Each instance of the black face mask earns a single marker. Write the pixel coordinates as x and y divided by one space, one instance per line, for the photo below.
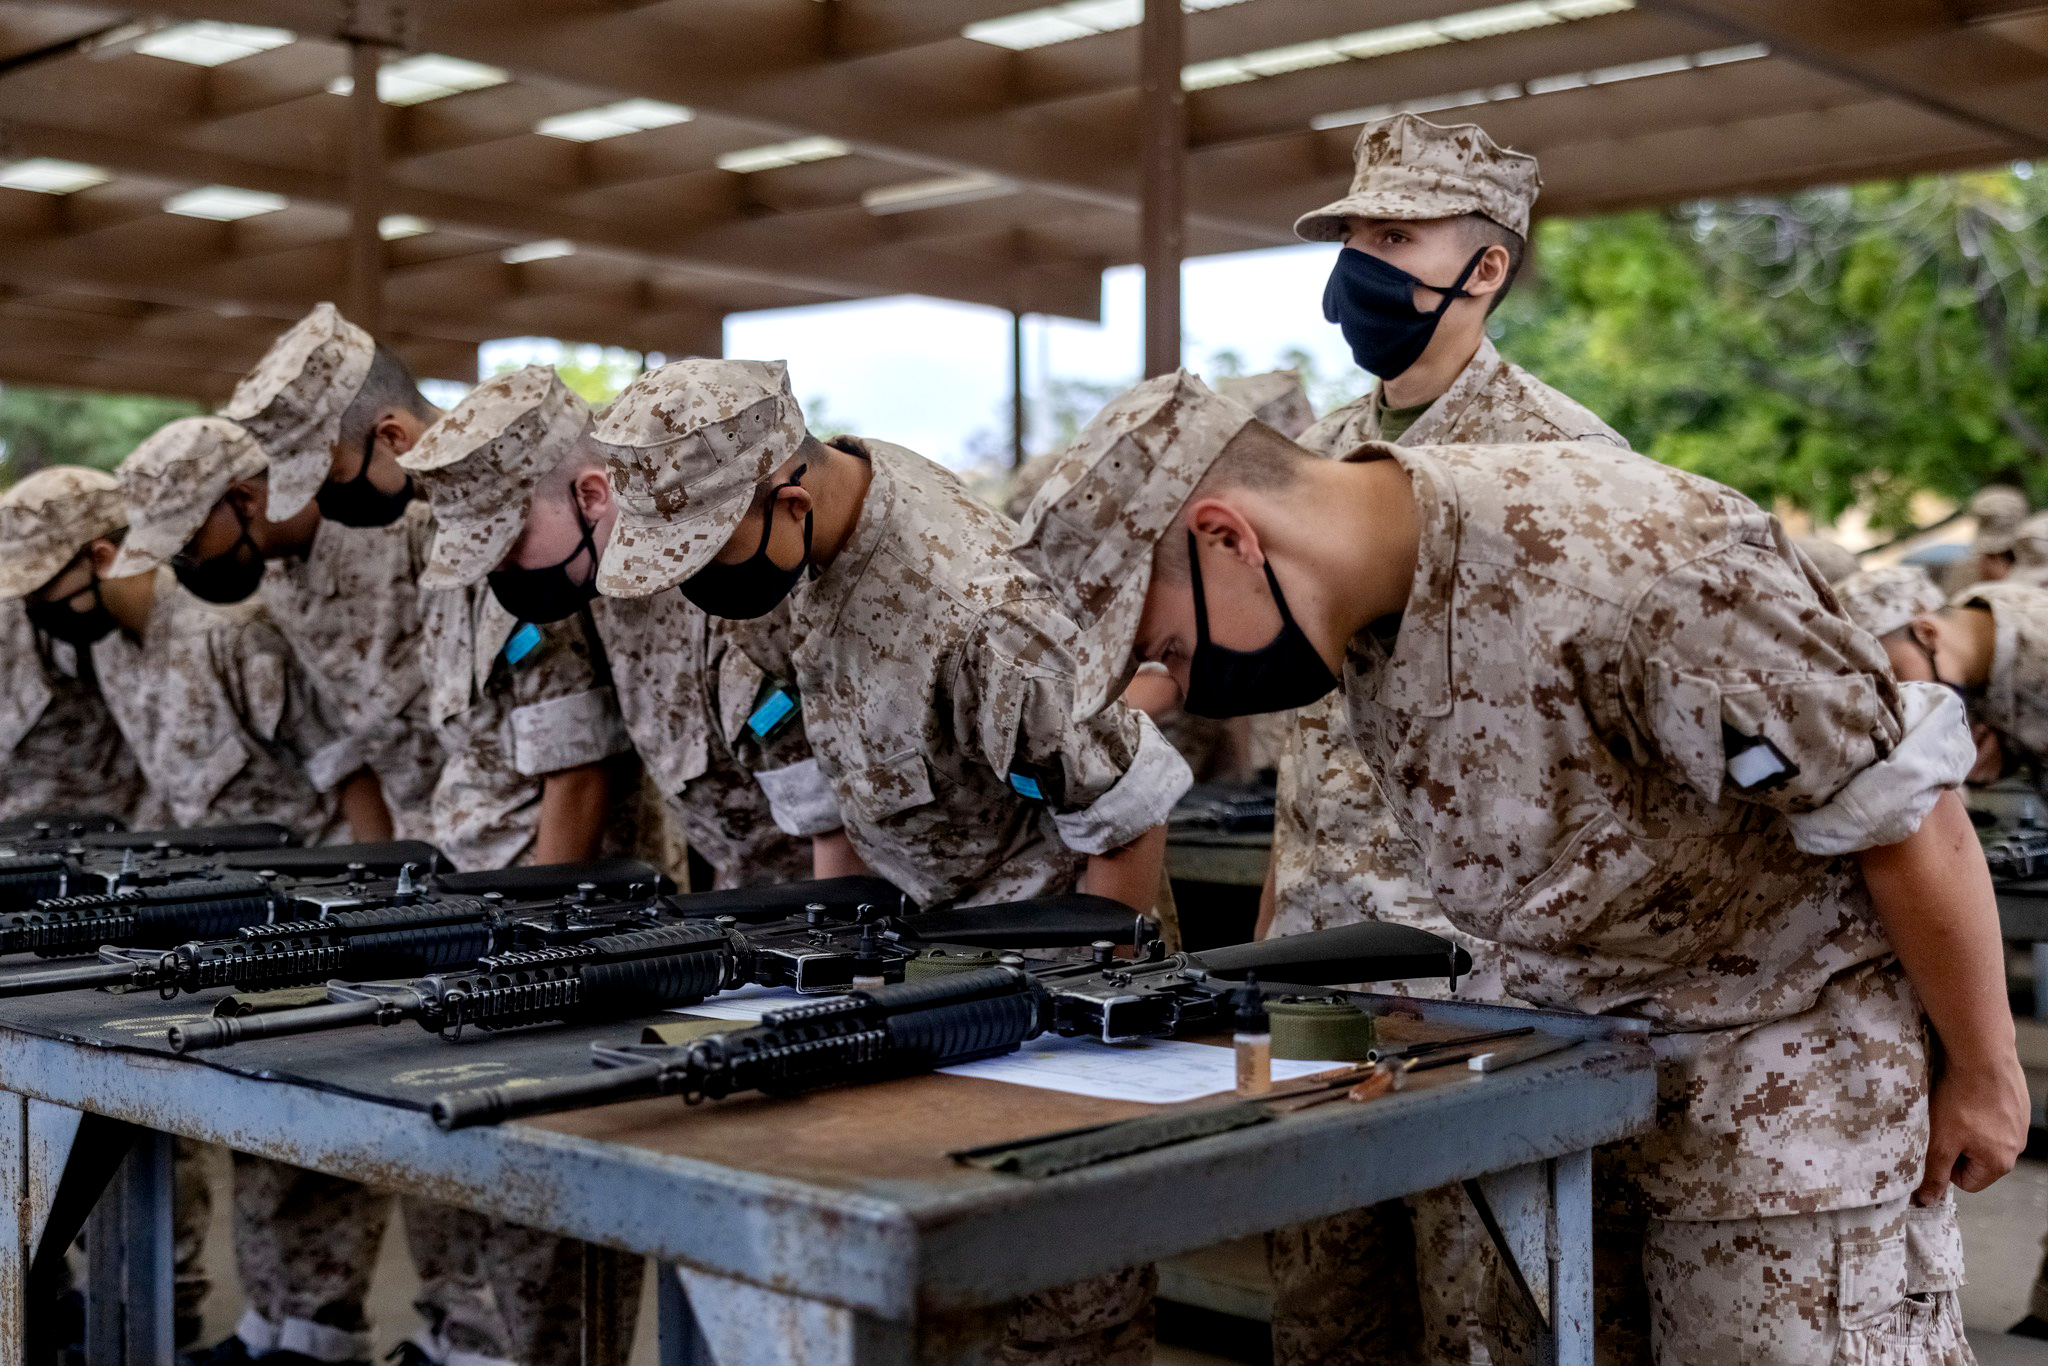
360 502
1373 304
756 585
228 577
57 621
551 592
1284 672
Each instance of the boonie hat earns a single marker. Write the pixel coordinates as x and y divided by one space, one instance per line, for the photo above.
1275 398
1108 499
47 518
173 480
1409 168
1883 600
685 447
292 402
478 465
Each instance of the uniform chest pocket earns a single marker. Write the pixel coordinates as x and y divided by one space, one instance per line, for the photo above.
1602 891
890 787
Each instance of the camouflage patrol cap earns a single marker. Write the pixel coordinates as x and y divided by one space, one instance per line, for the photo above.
1106 503
1999 510
171 483
685 447
1407 167
1835 562
1275 398
47 518
1883 600
479 463
293 400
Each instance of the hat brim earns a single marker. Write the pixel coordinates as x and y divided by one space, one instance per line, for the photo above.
19 578
153 546
294 480
1327 223
463 555
646 557
1106 649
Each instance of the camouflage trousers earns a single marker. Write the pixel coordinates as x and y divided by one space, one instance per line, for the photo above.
497 1292
1873 1286
1401 1281
305 1245
1100 1321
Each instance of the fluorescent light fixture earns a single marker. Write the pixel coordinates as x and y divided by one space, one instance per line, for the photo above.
935 194
1063 23
395 227
1469 26
210 43
776 155
545 250
46 176
224 203
429 76
613 120
1546 85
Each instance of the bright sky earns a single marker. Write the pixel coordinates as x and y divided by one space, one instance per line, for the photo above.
935 375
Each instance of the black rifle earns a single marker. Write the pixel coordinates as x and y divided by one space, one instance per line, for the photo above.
412 929
917 1026
2021 856
43 827
619 976
33 868
155 903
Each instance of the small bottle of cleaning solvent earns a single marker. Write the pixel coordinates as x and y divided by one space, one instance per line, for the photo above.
1254 1039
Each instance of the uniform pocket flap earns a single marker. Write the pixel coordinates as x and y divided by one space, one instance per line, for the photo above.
1873 1278
883 789
1934 1250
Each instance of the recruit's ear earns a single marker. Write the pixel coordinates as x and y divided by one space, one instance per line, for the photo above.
1218 525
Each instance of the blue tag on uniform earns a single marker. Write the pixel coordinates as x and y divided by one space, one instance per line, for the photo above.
770 715
1026 787
522 642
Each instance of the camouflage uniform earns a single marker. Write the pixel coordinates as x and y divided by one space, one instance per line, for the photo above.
1675 842
350 607
512 703
62 751
1835 562
936 686
305 1243
1338 853
350 610
1999 510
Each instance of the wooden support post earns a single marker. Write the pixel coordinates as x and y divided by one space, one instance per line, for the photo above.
1162 218
365 298
1017 456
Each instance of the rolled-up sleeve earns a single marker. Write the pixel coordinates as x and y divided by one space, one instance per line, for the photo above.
1740 682
563 716
800 799
1106 779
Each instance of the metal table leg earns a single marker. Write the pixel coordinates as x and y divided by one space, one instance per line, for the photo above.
17 1242
731 1323
128 1246
1541 1218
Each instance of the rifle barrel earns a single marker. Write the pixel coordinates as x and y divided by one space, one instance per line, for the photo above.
223 1030
53 980
493 1104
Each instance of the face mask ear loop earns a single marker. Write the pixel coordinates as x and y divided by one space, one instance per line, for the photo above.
1201 599
1457 289
1279 598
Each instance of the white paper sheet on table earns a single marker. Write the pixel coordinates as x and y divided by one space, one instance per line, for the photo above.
1152 1071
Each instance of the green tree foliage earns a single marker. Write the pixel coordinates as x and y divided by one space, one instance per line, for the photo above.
40 427
1827 348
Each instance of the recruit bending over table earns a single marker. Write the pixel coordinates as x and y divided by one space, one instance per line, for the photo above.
1637 748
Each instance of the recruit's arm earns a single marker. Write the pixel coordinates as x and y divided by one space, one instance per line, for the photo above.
1934 896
